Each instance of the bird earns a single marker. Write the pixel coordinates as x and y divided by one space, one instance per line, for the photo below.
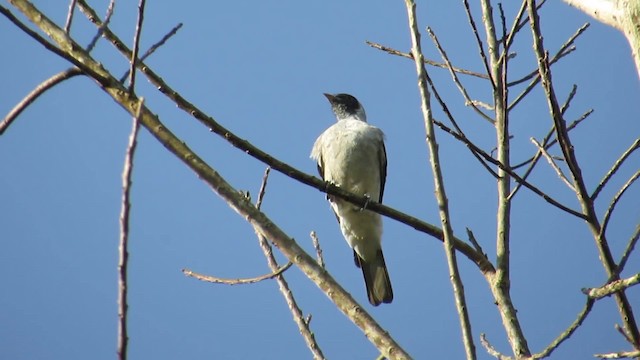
351 155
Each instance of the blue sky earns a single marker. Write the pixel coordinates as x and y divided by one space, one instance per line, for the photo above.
260 69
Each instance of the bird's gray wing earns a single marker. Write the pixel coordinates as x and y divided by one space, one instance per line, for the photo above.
382 159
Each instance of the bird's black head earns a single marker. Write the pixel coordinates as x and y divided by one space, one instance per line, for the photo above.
346 106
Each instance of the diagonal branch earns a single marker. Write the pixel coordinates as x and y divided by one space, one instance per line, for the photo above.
567 333
553 164
635 146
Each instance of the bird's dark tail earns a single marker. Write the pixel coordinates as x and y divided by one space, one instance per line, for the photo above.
376 278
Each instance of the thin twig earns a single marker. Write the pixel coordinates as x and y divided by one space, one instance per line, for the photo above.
624 334
614 202
474 29
102 27
154 47
566 49
635 146
459 135
296 312
35 94
72 7
520 180
123 263
461 88
512 33
426 61
474 242
548 143
628 249
568 332
136 46
440 193
216 280
553 164
491 350
316 245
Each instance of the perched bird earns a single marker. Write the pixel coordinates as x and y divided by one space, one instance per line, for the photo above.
351 155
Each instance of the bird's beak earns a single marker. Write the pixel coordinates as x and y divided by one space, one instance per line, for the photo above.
330 97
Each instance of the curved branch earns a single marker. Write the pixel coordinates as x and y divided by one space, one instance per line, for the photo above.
35 94
253 280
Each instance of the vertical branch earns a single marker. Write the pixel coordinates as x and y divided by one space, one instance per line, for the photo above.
441 197
136 46
587 204
123 248
500 282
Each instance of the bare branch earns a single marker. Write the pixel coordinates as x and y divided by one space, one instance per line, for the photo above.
296 312
456 81
253 280
483 56
123 262
316 245
154 47
568 332
35 94
72 7
614 202
499 282
619 355
426 61
136 46
612 287
553 164
548 143
440 193
565 50
105 23
491 350
628 249
635 146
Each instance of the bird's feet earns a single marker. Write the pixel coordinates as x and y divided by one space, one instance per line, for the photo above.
366 202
